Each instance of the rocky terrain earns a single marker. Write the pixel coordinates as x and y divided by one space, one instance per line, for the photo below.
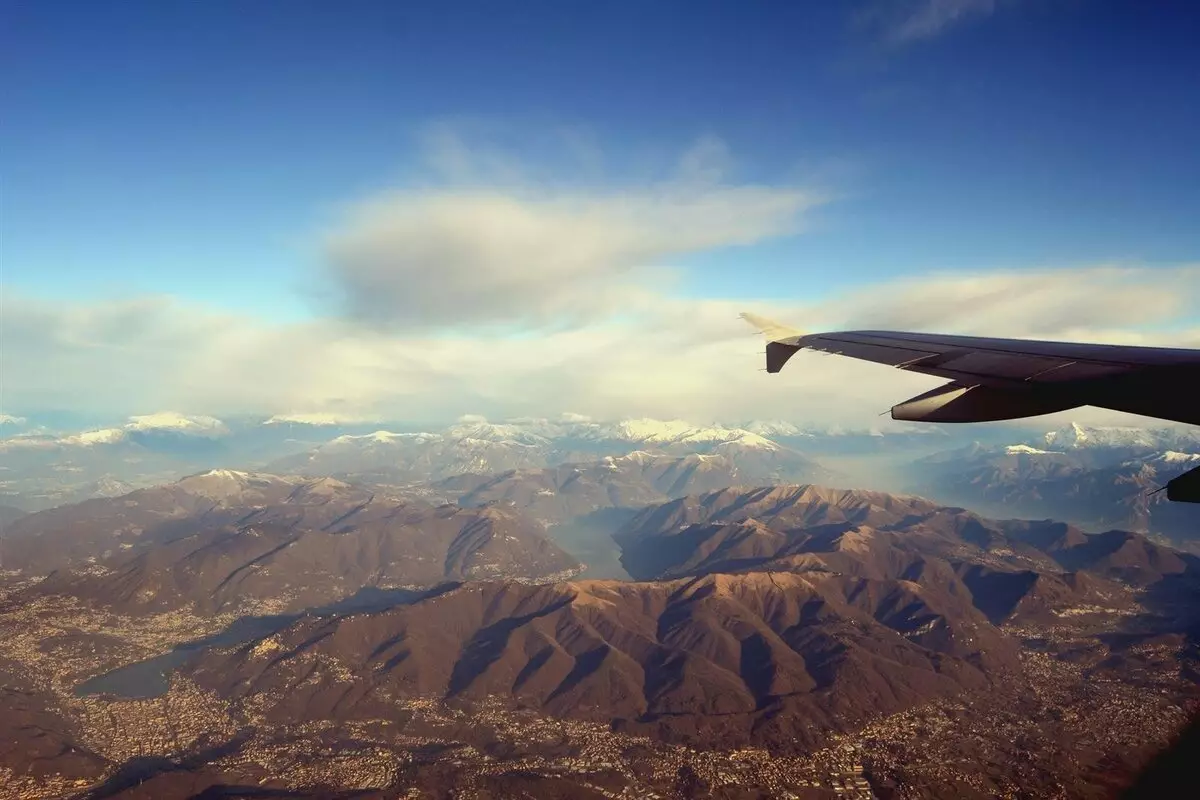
871 534
769 659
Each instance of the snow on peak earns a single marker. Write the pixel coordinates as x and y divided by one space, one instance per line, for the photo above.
1175 457
214 479
677 431
482 430
89 438
222 483
317 419
747 439
649 430
1077 436
639 457
383 437
775 428
48 441
1015 449
227 474
182 423
163 421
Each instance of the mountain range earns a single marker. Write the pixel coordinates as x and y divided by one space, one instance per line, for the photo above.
41 470
771 658
872 535
780 616
1095 477
254 543
488 448
774 617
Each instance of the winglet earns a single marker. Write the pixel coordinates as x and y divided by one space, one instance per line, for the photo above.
774 331
779 350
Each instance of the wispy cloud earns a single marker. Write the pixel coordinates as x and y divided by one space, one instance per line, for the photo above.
489 246
1033 303
901 22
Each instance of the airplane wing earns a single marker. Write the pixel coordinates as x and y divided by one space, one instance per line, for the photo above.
996 379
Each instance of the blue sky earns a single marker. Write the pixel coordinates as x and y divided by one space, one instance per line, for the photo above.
202 151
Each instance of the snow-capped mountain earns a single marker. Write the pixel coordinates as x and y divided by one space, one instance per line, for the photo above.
1024 449
889 438
536 431
181 423
167 445
44 469
475 445
1171 458
321 419
502 433
1075 436
772 428
140 429
1100 477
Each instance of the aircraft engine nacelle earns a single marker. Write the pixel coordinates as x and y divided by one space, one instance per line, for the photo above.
957 402
1185 488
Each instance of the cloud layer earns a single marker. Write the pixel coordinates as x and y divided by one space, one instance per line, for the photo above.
489 291
672 358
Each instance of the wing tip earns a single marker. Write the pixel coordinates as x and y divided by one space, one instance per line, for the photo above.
774 331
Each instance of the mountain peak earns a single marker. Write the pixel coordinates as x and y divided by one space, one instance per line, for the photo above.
775 428
174 421
228 483
1024 449
88 438
317 419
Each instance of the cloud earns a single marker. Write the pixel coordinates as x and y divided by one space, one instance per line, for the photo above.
1031 303
668 358
900 22
489 246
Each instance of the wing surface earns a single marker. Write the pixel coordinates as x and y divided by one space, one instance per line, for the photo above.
1009 378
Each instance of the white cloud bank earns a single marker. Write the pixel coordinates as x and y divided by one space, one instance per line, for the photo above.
678 359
